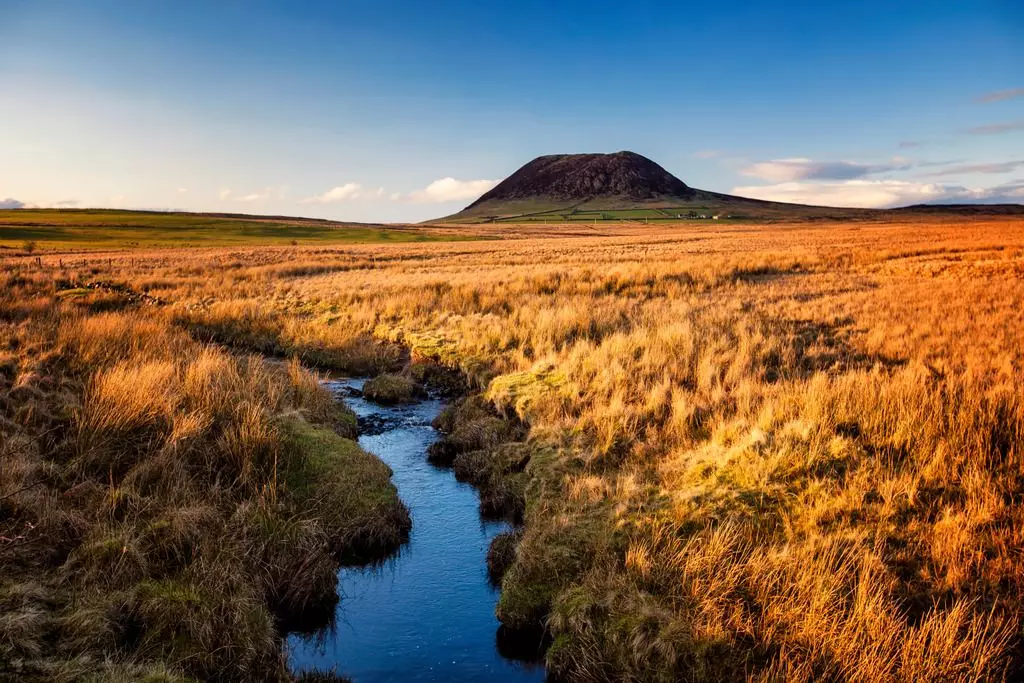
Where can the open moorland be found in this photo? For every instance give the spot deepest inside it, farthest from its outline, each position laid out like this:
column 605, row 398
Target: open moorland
column 111, row 228
column 738, row 452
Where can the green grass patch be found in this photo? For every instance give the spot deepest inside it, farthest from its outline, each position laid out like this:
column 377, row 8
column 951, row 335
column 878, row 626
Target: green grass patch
column 597, row 215
column 76, row 293
column 348, row 490
column 520, row 390
column 83, row 229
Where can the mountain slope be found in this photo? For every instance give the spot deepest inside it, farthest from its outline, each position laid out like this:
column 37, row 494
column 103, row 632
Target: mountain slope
column 578, row 185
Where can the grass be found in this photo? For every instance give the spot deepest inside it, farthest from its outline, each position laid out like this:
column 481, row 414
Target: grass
column 663, row 214
column 90, row 229
column 391, row 388
column 167, row 508
column 348, row 491
column 739, row 452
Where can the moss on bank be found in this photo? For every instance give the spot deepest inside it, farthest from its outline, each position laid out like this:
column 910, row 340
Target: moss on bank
column 348, row 491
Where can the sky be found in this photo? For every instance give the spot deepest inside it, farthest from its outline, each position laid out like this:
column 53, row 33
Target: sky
column 404, row 110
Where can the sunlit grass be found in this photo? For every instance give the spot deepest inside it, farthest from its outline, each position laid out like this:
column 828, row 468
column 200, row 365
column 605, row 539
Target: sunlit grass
column 754, row 452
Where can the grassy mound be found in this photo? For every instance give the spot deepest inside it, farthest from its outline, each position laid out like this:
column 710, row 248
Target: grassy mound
column 502, row 554
column 391, row 388
column 348, row 491
column 471, row 424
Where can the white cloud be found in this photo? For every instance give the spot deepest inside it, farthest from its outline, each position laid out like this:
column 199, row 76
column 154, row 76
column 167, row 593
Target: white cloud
column 877, row 194
column 344, row 193
column 258, row 196
column 11, row 203
column 707, row 154
column 437, row 192
column 787, row 170
column 451, row 190
column 182, row 190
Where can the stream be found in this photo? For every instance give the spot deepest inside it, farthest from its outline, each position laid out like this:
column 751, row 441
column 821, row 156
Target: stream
column 427, row 613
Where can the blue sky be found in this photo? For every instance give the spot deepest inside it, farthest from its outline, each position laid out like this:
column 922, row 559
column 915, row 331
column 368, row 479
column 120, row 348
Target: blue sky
column 406, row 110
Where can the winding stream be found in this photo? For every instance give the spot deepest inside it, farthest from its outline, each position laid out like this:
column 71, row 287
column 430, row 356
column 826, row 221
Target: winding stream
column 427, row 614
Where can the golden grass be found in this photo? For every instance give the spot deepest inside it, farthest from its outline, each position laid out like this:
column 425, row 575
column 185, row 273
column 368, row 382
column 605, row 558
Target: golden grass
column 148, row 526
column 760, row 452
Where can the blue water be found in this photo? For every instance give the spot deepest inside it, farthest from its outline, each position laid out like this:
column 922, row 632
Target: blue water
column 428, row 613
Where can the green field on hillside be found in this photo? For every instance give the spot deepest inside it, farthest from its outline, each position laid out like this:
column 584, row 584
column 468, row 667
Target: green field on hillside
column 642, row 215
column 116, row 229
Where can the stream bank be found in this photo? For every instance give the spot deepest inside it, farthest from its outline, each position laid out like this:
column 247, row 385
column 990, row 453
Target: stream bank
column 427, row 613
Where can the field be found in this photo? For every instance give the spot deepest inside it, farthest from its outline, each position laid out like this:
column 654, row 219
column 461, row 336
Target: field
column 94, row 229
column 640, row 215
column 754, row 452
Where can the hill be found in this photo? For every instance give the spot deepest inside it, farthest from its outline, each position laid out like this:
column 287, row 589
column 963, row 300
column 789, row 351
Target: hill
column 624, row 176
column 623, row 185
column 629, row 186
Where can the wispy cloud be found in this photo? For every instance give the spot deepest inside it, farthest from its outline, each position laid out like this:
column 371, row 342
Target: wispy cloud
column 877, row 194
column 1000, row 95
column 996, row 167
column 10, row 203
column 787, row 170
column 344, row 193
column 437, row 192
column 996, row 128
column 707, row 154
column 451, row 190
column 932, row 164
column 911, row 144
column 266, row 193
column 182, row 190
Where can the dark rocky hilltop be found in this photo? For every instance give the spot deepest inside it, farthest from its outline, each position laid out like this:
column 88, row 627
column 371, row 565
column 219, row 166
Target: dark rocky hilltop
column 581, row 177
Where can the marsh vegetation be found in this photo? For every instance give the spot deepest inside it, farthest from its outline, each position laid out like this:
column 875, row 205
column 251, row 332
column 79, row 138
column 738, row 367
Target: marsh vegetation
column 739, row 452
column 167, row 508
